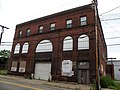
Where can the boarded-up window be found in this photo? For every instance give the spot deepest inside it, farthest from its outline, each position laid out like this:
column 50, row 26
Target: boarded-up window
column 83, row 42
column 14, row 66
column 22, row 66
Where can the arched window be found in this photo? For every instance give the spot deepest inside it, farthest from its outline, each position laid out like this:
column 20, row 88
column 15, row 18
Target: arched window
column 28, row 32
column 20, row 34
column 83, row 42
column 44, row 46
column 68, row 44
column 17, row 48
column 25, row 48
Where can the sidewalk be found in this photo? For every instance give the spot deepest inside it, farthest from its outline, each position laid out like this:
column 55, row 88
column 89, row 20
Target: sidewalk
column 68, row 85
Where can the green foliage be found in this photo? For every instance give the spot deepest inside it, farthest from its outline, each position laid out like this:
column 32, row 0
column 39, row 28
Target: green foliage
column 78, row 88
column 5, row 53
column 4, row 56
column 3, row 72
column 106, row 82
column 117, row 86
column 93, row 87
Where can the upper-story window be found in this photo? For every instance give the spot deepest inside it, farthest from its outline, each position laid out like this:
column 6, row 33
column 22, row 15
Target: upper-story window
column 83, row 20
column 83, row 42
column 68, row 43
column 40, row 29
column 28, row 32
column 52, row 26
column 69, row 23
column 20, row 34
column 25, row 47
column 44, row 46
column 17, row 48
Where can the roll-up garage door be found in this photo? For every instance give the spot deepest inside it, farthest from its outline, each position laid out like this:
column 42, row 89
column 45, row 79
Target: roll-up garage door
column 42, row 71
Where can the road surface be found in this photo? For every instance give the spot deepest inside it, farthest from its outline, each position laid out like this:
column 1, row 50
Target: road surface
column 7, row 84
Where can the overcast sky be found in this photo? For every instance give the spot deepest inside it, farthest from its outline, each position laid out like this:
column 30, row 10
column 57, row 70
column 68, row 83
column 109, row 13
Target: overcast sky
column 13, row 12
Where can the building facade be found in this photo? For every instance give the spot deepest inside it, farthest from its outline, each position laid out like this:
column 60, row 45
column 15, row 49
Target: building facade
column 113, row 69
column 61, row 46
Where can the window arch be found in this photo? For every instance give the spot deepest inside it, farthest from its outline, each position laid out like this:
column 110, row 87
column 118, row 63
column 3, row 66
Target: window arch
column 17, row 49
column 28, row 32
column 25, row 47
column 83, row 42
column 68, row 43
column 44, row 46
column 20, row 34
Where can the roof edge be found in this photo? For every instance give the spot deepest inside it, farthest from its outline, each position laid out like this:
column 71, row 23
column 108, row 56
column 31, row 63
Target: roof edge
column 56, row 14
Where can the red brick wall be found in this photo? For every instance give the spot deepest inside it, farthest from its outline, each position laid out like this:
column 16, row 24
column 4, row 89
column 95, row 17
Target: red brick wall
column 57, row 37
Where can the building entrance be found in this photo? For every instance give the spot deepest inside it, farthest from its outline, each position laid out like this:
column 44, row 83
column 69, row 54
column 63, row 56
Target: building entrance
column 83, row 72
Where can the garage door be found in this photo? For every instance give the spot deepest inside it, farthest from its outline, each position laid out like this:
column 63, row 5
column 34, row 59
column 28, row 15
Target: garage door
column 42, row 71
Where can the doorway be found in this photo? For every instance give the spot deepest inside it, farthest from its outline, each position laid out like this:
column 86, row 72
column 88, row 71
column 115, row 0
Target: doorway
column 83, row 73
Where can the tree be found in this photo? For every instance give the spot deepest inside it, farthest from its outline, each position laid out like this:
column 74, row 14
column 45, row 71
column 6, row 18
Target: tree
column 4, row 56
column 5, row 53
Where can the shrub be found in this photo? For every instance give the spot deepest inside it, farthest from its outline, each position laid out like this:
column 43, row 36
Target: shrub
column 106, row 82
column 3, row 72
column 117, row 86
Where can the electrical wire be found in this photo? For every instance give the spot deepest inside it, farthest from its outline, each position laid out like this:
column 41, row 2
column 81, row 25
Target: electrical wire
column 113, row 38
column 112, row 28
column 110, row 10
column 110, row 19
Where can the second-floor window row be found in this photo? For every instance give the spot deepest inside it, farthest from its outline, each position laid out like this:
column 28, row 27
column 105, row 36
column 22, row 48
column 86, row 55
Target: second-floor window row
column 69, row 22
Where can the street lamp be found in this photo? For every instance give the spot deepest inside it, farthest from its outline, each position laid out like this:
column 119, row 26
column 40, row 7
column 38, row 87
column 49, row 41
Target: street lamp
column 2, row 31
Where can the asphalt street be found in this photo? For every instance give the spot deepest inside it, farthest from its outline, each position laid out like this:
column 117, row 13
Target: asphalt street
column 6, row 84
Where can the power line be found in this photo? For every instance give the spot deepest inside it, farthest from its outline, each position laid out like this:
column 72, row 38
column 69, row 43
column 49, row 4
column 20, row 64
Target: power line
column 110, row 10
column 7, row 42
column 113, row 38
column 110, row 19
column 71, row 42
column 112, row 28
column 114, row 45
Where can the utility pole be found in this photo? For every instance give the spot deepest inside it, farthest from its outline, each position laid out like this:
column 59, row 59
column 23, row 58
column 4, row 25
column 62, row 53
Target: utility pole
column 2, row 31
column 98, row 87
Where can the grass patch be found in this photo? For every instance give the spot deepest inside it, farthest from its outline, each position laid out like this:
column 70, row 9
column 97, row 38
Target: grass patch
column 107, row 82
column 3, row 72
column 117, row 86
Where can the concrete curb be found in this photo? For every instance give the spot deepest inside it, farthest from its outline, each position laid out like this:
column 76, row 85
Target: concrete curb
column 67, row 85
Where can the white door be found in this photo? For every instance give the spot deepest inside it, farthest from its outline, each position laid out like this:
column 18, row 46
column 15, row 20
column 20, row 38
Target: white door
column 42, row 71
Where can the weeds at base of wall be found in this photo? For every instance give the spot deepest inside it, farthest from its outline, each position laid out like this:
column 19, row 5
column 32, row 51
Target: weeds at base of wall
column 78, row 88
column 107, row 82
column 115, row 87
column 27, row 76
column 93, row 87
column 3, row 72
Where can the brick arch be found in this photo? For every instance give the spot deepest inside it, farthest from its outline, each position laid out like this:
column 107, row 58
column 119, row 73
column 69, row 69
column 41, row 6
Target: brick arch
column 68, row 43
column 25, row 47
column 83, row 42
column 17, row 48
column 44, row 46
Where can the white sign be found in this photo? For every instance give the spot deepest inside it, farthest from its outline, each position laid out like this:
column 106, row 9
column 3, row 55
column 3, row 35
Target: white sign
column 67, row 68
column 13, row 68
column 21, row 69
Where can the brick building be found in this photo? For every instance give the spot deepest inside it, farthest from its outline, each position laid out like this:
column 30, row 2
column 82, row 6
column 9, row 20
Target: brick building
column 113, row 69
column 61, row 46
